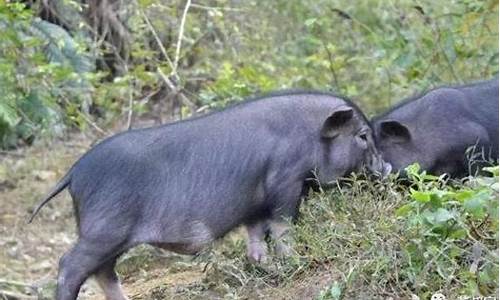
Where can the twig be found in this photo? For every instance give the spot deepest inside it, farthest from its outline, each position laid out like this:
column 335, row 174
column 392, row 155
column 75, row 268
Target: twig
column 12, row 282
column 11, row 153
column 158, row 40
column 176, row 91
column 130, row 103
column 330, row 59
column 14, row 295
column 476, row 231
column 94, row 125
column 180, row 37
column 194, row 5
column 173, row 65
column 129, row 113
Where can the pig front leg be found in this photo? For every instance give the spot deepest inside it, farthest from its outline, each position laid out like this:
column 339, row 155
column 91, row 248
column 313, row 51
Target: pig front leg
column 280, row 232
column 257, row 251
column 279, row 224
column 286, row 209
column 256, row 243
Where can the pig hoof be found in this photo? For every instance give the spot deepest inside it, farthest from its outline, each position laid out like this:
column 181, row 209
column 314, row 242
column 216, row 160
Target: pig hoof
column 257, row 255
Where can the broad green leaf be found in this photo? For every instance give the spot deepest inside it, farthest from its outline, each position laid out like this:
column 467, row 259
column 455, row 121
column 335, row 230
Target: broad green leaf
column 438, row 217
column 422, row 197
column 475, row 207
column 464, row 195
column 442, row 215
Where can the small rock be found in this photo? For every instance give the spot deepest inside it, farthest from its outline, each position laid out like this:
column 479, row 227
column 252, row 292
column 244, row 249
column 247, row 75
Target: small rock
column 44, row 175
column 13, row 252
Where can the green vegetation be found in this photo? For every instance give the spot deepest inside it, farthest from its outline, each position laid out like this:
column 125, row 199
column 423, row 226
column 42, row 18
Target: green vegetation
column 96, row 67
column 65, row 64
column 438, row 237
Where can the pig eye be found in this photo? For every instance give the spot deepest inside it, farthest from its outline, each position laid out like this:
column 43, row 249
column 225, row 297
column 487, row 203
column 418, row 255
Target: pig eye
column 361, row 140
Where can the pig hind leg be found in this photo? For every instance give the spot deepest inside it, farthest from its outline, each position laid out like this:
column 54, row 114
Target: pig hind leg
column 83, row 260
column 109, row 282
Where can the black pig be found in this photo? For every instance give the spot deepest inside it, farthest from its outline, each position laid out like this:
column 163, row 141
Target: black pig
column 182, row 185
column 437, row 128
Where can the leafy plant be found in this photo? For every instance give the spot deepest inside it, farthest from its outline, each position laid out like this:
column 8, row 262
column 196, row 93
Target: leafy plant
column 452, row 233
column 42, row 71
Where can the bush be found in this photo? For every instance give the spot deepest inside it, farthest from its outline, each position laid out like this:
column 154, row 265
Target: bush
column 42, row 77
column 452, row 234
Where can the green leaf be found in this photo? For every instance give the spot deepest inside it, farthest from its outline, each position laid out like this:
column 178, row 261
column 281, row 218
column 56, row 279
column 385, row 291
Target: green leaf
column 413, row 170
column 310, row 22
column 336, row 291
column 458, row 234
column 404, row 210
column 8, row 114
column 475, row 207
column 61, row 48
column 422, row 197
column 436, row 200
column 464, row 195
column 442, row 215
column 430, row 177
column 438, row 217
column 493, row 170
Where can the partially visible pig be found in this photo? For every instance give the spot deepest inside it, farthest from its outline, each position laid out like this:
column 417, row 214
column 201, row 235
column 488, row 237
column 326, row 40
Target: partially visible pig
column 182, row 185
column 437, row 128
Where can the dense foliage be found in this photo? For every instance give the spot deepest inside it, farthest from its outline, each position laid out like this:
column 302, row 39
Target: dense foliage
column 67, row 63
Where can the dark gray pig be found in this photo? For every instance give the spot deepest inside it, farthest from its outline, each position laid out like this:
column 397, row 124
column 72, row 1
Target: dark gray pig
column 437, row 128
column 182, row 185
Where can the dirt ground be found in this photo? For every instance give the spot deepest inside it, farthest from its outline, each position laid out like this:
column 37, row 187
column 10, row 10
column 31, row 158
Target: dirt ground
column 29, row 253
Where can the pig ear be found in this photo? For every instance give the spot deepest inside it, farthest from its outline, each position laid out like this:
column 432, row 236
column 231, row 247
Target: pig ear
column 395, row 130
column 337, row 122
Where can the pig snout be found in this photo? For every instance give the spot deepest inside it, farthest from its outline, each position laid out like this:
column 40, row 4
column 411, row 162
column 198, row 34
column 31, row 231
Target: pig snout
column 379, row 167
